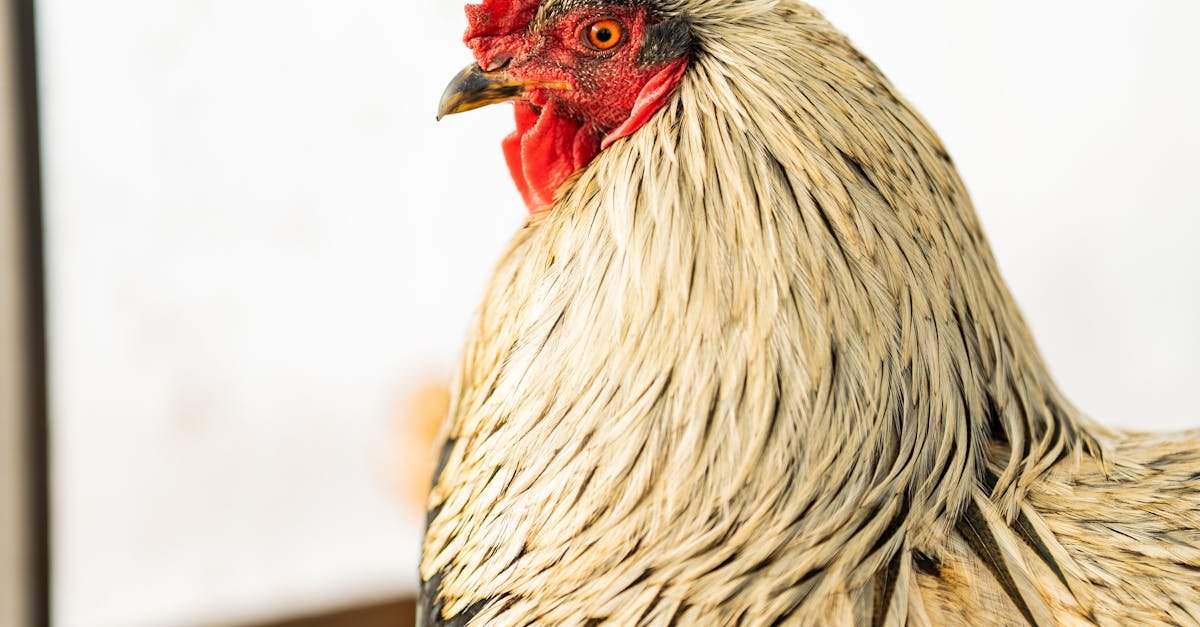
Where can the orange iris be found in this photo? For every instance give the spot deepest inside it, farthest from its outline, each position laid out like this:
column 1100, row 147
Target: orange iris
column 605, row 34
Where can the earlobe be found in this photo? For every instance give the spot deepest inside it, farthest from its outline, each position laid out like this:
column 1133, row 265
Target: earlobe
column 653, row 96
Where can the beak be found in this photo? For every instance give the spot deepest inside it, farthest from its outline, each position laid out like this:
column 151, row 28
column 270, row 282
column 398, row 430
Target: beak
column 474, row 88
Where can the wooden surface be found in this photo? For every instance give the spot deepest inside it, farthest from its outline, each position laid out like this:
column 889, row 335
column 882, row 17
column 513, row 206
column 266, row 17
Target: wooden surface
column 401, row 613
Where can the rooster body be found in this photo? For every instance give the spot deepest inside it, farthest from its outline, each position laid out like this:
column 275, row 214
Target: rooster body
column 755, row 364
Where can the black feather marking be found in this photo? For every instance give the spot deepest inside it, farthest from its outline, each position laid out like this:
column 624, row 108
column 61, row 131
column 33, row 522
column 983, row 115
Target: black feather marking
column 430, row 605
column 989, row 481
column 432, row 515
column 775, row 408
column 870, row 517
column 809, row 576
column 727, row 561
column 640, row 580
column 749, row 574
column 649, row 609
column 426, row 604
column 894, row 525
column 1024, row 529
column 996, row 430
column 803, row 514
column 927, row 564
column 691, row 281
column 858, row 168
column 827, row 221
column 1026, row 451
column 711, row 417
column 443, row 458
column 583, row 486
column 665, row 42
column 885, row 587
column 679, row 612
column 802, row 593
column 974, row 529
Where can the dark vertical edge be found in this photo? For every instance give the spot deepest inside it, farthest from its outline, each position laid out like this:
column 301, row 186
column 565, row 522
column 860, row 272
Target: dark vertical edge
column 36, row 377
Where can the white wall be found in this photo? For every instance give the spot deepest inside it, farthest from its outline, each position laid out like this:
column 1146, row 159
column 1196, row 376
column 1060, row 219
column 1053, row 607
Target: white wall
column 260, row 239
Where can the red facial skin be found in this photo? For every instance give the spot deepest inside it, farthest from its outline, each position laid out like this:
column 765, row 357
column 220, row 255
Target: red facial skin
column 611, row 95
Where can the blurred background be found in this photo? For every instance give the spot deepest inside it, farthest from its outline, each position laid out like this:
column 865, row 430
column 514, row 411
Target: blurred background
column 262, row 255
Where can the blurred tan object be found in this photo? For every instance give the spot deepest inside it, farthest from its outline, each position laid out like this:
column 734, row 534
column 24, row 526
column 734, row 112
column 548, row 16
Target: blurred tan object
column 16, row 533
column 420, row 418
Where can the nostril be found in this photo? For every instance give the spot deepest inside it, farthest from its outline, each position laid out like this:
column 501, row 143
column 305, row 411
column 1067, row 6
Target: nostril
column 499, row 62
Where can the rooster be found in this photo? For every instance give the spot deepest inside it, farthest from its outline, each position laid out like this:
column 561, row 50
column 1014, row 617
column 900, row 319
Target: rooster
column 751, row 360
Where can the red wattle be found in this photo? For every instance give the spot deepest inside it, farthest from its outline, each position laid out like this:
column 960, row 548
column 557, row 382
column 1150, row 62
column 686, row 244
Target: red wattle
column 526, row 118
column 544, row 152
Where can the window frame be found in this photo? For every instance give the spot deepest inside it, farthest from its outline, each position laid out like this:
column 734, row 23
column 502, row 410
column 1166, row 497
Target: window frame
column 24, row 423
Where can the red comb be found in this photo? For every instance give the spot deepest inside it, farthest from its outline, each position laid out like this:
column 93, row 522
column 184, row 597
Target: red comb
column 497, row 18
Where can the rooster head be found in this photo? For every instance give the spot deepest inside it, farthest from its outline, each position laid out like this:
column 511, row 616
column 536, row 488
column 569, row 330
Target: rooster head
column 582, row 74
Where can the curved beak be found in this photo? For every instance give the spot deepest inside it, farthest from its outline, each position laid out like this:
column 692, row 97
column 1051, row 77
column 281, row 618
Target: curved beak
column 474, row 88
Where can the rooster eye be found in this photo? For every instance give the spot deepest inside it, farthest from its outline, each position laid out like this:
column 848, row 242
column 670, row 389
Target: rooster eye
column 604, row 34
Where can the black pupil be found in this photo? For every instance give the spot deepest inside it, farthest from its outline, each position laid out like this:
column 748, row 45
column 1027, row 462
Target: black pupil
column 603, row 35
